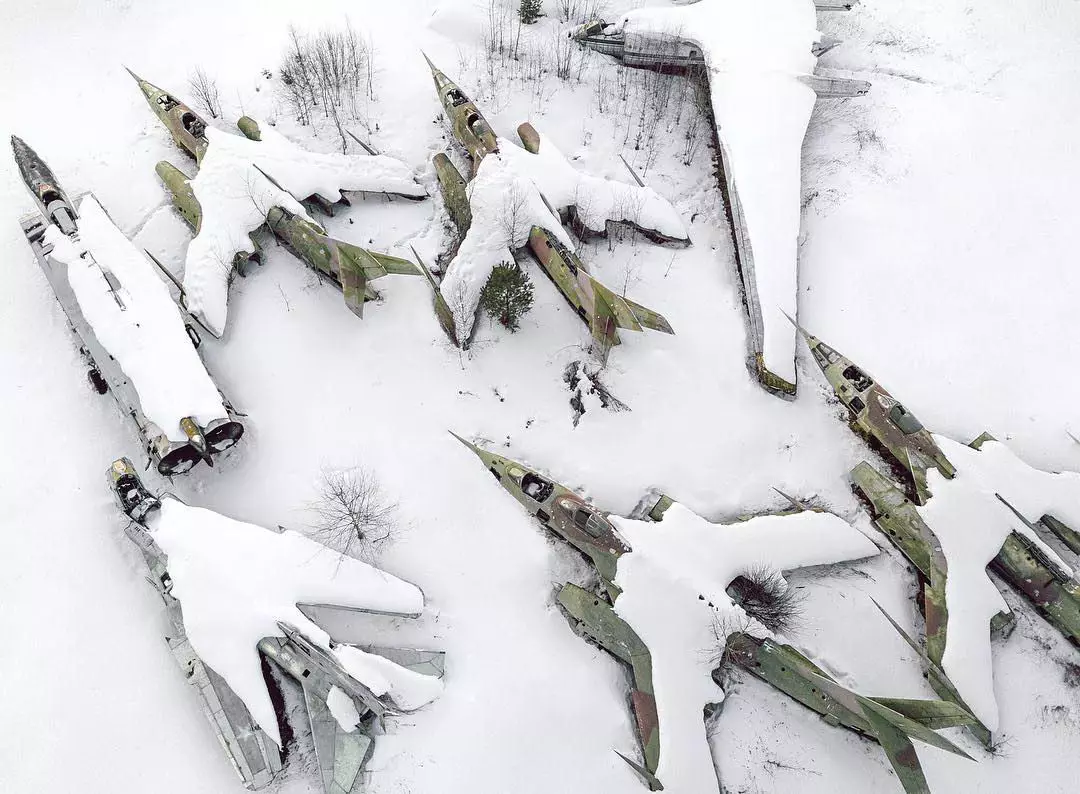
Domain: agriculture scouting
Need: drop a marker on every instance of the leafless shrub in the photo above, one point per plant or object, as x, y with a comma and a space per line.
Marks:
354, 516
765, 596
204, 93
580, 10
514, 216
331, 70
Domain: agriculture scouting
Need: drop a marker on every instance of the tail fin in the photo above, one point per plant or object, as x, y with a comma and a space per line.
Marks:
358, 266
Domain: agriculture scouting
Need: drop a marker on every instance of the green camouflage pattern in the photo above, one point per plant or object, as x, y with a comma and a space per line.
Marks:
595, 619
891, 722
1063, 532
879, 416
598, 307
452, 185
443, 312
467, 122
560, 511
185, 126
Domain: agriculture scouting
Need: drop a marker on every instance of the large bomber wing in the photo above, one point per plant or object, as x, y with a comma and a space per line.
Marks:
892, 722
137, 342
753, 61
262, 179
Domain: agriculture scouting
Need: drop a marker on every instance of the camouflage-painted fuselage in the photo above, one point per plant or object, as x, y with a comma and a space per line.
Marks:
569, 517
881, 417
891, 722
600, 308
467, 122
185, 126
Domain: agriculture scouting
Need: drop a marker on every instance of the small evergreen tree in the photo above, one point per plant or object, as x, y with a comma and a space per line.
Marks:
507, 295
530, 10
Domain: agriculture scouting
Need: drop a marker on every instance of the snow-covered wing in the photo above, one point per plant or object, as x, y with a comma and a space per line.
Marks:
674, 596
341, 748
597, 200
972, 524
405, 689
505, 205
235, 197
237, 581
145, 334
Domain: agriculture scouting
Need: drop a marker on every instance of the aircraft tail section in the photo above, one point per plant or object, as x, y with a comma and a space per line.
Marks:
357, 266
341, 751
933, 714
648, 318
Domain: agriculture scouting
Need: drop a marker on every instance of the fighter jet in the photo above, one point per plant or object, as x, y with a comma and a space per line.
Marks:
592, 533
264, 180
878, 415
544, 185
891, 722
764, 58
137, 343
344, 712
1020, 562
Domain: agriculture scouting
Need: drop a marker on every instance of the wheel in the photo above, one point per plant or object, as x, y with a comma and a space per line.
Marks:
97, 381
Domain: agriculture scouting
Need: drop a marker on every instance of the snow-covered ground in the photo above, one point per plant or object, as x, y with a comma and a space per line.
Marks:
937, 250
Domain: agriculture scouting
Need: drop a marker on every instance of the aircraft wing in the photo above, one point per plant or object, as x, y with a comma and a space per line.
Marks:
761, 120
341, 751
901, 754
235, 195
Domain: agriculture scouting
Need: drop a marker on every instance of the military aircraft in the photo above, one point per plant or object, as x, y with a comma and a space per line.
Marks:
591, 615
136, 341
602, 309
879, 416
1021, 563
264, 180
891, 722
751, 61
342, 748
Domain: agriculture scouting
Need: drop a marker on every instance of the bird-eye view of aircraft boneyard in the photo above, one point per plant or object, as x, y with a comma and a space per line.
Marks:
988, 541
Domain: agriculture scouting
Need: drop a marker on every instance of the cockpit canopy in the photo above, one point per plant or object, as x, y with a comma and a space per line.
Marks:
455, 97
536, 488
860, 381
905, 420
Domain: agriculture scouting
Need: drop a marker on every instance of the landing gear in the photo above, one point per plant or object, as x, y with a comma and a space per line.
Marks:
96, 380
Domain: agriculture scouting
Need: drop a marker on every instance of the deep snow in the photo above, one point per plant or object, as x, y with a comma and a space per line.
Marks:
936, 249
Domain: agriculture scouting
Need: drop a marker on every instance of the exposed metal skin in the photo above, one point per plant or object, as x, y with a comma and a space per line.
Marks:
599, 307
348, 266
186, 126
880, 416
341, 752
891, 722
453, 187
468, 123
170, 457
561, 511
594, 619
252, 753
44, 187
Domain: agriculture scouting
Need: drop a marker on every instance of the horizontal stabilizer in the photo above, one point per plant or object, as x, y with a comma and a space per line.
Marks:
395, 265
931, 713
648, 318
901, 754
341, 753
617, 308
650, 779
912, 728
430, 663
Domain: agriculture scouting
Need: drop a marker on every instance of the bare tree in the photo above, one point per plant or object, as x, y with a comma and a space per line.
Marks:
354, 516
514, 216
204, 93
764, 595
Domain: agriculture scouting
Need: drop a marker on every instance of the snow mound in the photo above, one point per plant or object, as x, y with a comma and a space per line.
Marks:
972, 524
235, 581
408, 689
235, 198
147, 337
756, 54
343, 709
674, 596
